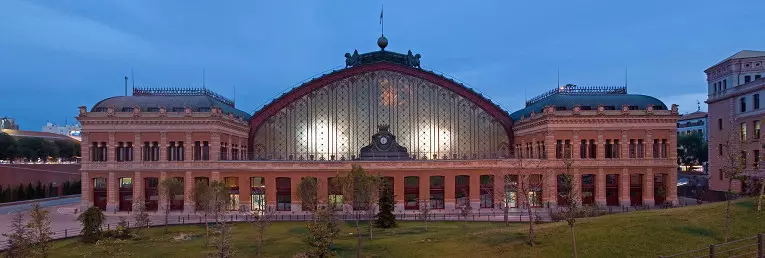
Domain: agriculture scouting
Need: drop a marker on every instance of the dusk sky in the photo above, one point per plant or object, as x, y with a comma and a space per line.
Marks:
58, 55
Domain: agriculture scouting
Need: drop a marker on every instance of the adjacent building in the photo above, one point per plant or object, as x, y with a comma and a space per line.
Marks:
430, 137
68, 130
735, 87
693, 123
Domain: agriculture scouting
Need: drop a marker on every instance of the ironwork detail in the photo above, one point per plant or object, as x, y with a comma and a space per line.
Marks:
334, 122
357, 59
170, 91
571, 89
383, 147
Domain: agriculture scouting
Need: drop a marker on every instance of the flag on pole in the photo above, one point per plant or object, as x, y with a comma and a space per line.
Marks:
381, 15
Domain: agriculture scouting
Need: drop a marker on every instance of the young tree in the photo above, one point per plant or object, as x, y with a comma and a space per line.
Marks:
424, 210
322, 232
222, 239
528, 188
261, 221
220, 200
360, 195
39, 229
169, 189
92, 220
308, 191
465, 210
732, 166
385, 218
140, 215
571, 210
202, 195
18, 237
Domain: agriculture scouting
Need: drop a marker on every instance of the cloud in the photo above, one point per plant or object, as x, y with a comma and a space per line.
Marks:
25, 23
687, 102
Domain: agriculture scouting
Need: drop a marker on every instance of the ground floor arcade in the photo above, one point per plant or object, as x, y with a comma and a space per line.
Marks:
445, 186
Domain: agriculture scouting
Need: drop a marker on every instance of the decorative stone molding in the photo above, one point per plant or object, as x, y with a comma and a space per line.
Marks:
625, 109
83, 111
674, 109
162, 112
649, 110
601, 109
136, 111
187, 112
577, 109
110, 111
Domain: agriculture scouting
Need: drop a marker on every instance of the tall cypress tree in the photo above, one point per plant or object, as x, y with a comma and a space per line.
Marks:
385, 218
30, 193
20, 194
39, 191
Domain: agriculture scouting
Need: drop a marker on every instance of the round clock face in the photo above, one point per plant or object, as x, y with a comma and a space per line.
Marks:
384, 140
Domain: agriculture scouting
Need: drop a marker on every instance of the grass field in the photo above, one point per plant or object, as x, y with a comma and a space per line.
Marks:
636, 234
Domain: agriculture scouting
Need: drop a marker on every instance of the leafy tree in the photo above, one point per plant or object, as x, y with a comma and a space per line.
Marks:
31, 149
169, 188
465, 210
691, 149
307, 191
8, 147
92, 220
18, 237
39, 191
139, 214
202, 195
732, 166
359, 194
571, 210
220, 200
222, 240
40, 231
322, 232
385, 218
425, 210
66, 149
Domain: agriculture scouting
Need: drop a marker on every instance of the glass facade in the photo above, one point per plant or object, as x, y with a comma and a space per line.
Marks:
335, 121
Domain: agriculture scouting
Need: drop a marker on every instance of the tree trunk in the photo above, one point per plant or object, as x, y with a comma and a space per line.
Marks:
531, 226
370, 229
207, 231
167, 215
573, 240
507, 213
762, 195
358, 238
260, 244
727, 210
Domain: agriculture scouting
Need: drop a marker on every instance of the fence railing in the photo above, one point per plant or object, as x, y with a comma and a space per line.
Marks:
745, 247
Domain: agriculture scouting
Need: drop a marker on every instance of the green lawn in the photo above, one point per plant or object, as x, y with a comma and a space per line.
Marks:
637, 234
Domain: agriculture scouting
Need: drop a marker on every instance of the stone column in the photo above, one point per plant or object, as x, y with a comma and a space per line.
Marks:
188, 148
162, 146
188, 192
577, 183
270, 190
86, 201
475, 191
600, 187
215, 146
138, 194
649, 144
84, 149
162, 202
575, 151
671, 182
137, 151
648, 188
112, 193
550, 191
245, 197
449, 197
624, 188
297, 204
601, 149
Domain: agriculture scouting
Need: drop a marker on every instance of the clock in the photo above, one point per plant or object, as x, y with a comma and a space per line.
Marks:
383, 140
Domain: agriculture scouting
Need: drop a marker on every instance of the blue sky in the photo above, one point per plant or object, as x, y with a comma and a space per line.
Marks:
58, 55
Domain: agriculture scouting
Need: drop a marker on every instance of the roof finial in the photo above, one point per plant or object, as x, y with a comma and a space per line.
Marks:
698, 105
382, 42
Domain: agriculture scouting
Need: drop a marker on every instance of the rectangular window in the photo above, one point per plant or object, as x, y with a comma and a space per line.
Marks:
747, 78
719, 124
129, 151
756, 158
205, 151
283, 194
756, 101
609, 149
757, 77
99, 183
593, 149
656, 149
411, 192
742, 102
664, 148
743, 159
146, 151
583, 149
633, 149
171, 152
725, 84
720, 175
197, 150
743, 132
719, 150
559, 149
756, 126
641, 149
154, 151
179, 151
126, 183
120, 152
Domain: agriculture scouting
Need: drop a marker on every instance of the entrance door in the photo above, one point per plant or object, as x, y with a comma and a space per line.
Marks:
636, 189
612, 190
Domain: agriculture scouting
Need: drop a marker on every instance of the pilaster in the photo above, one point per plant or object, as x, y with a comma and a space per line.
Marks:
270, 190
624, 146
600, 187
111, 155
162, 202
649, 144
297, 204
138, 192
449, 196
188, 148
671, 187
398, 191
85, 149
188, 193
137, 151
86, 199
475, 191
549, 191
550, 145
575, 151
601, 149
624, 188
648, 187
323, 188
245, 195
215, 176
215, 146
112, 193
163, 146
424, 188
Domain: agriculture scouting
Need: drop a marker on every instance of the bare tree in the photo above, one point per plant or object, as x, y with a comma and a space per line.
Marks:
530, 187
360, 191
308, 192
424, 209
222, 240
202, 195
140, 215
169, 189
260, 221
18, 237
465, 210
571, 210
220, 200
39, 229
510, 183
732, 165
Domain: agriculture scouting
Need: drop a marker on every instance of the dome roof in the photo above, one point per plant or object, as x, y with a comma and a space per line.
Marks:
150, 100
591, 100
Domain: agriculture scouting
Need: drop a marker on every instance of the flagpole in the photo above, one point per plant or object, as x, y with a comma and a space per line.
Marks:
382, 24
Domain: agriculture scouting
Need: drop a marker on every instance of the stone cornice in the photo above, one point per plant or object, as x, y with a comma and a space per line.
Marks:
489, 165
